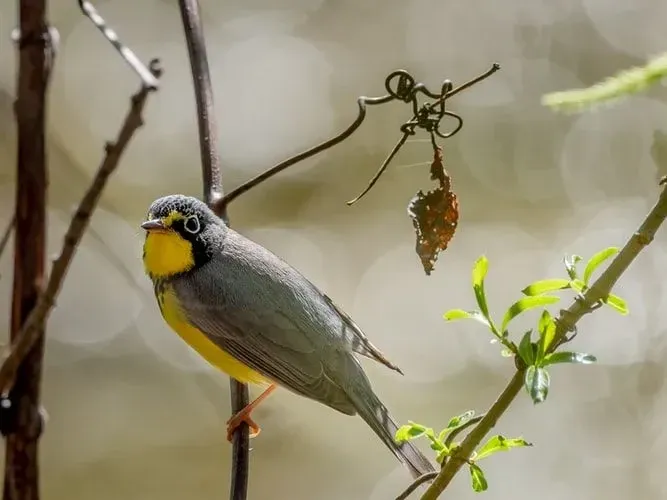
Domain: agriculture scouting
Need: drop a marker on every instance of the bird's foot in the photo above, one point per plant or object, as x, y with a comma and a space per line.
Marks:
242, 417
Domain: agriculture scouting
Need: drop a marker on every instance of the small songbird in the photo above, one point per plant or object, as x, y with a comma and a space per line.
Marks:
256, 318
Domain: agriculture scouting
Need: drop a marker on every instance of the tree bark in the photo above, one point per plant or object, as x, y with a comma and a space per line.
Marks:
23, 418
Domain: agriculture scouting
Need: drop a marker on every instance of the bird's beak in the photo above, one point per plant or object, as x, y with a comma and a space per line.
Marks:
154, 225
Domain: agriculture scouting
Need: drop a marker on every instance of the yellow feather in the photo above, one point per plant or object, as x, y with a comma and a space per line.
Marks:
207, 349
167, 254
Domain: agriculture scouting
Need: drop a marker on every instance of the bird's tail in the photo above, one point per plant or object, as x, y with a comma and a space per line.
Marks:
376, 415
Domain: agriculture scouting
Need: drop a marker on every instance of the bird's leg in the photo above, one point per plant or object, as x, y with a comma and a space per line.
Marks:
244, 416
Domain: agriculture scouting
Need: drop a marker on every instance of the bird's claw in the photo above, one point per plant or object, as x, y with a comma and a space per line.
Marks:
242, 417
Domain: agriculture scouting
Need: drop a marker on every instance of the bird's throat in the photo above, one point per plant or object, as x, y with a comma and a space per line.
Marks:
166, 254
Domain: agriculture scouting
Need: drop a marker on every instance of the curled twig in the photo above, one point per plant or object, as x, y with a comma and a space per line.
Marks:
400, 85
31, 329
566, 321
424, 478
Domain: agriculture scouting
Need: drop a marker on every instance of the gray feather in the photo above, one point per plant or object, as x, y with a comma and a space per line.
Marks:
268, 316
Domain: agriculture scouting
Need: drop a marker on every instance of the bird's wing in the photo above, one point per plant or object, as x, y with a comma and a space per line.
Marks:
360, 343
265, 314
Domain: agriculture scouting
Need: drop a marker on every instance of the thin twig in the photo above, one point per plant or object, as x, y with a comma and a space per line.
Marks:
7, 234
424, 478
567, 320
147, 77
31, 330
452, 435
213, 194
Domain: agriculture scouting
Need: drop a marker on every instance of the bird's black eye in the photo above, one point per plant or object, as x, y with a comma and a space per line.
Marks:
192, 224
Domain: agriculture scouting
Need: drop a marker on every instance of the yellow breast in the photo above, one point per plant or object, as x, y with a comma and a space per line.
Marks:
195, 338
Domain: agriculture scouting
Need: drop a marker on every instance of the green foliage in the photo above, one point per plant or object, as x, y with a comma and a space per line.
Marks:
499, 443
537, 381
537, 354
478, 480
595, 261
409, 432
444, 447
625, 83
544, 286
526, 304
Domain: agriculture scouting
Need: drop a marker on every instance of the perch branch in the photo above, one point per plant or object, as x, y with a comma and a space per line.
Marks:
213, 193
31, 330
566, 321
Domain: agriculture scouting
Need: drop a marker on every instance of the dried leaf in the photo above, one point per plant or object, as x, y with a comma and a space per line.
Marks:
434, 215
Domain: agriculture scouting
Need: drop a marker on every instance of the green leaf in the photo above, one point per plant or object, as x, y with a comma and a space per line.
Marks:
410, 431
569, 357
455, 422
595, 261
536, 381
456, 314
479, 271
571, 262
500, 443
543, 286
440, 458
525, 304
578, 286
547, 330
526, 349
479, 483
615, 302
478, 274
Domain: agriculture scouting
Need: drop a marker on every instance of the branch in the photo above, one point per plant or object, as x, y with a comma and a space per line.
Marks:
567, 320
213, 193
21, 422
7, 234
31, 330
424, 478
406, 90
148, 77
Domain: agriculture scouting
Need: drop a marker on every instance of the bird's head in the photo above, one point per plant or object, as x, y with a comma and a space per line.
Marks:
182, 234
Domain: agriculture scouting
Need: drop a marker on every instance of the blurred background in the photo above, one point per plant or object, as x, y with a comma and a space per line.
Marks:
135, 414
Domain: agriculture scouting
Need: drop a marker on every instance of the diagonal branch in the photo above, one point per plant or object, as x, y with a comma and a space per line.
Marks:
31, 330
566, 322
7, 234
213, 193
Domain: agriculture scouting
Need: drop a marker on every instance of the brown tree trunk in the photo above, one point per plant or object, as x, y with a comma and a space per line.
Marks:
24, 421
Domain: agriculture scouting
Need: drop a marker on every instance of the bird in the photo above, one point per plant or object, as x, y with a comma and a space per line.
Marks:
259, 320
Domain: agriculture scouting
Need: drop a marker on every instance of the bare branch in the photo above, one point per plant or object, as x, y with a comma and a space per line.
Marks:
31, 330
148, 78
208, 130
213, 194
7, 234
567, 320
424, 478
